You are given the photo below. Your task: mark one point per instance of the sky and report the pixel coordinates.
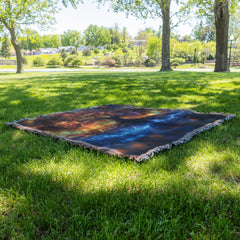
(88, 13)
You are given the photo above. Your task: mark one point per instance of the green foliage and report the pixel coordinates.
(73, 61)
(150, 62)
(63, 54)
(125, 50)
(17, 14)
(118, 52)
(96, 50)
(205, 33)
(5, 49)
(115, 47)
(54, 62)
(236, 52)
(38, 62)
(126, 59)
(86, 52)
(109, 47)
(234, 25)
(31, 40)
(145, 35)
(138, 62)
(154, 48)
(119, 60)
(71, 38)
(77, 62)
(68, 60)
(115, 35)
(192, 50)
(195, 57)
(51, 41)
(178, 60)
(105, 51)
(124, 35)
(74, 51)
(97, 36)
(139, 51)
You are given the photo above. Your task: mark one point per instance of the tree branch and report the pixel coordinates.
(5, 23)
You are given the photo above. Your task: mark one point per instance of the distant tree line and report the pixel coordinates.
(93, 36)
(18, 15)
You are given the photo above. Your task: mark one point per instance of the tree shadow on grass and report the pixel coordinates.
(42, 206)
(39, 95)
(70, 91)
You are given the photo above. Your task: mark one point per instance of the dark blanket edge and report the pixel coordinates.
(187, 137)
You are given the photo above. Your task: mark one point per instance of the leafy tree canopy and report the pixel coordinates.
(22, 13)
(72, 38)
(97, 36)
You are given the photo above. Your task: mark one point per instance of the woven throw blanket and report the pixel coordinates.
(123, 130)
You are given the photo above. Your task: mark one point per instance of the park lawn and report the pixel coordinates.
(53, 190)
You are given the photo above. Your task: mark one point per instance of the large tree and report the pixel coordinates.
(16, 15)
(221, 10)
(221, 13)
(144, 9)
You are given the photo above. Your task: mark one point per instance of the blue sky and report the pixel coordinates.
(89, 13)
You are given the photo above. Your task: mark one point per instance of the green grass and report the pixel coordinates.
(53, 190)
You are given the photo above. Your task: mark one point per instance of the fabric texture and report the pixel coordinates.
(123, 130)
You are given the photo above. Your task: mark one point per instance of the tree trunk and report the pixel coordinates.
(221, 12)
(165, 8)
(17, 48)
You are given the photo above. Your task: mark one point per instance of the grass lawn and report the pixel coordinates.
(53, 190)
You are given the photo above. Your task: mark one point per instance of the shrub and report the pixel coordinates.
(63, 54)
(96, 50)
(150, 62)
(54, 62)
(125, 50)
(109, 48)
(126, 59)
(86, 52)
(138, 62)
(109, 61)
(119, 60)
(105, 52)
(118, 52)
(178, 60)
(68, 60)
(74, 51)
(38, 62)
(115, 46)
(131, 46)
(76, 62)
